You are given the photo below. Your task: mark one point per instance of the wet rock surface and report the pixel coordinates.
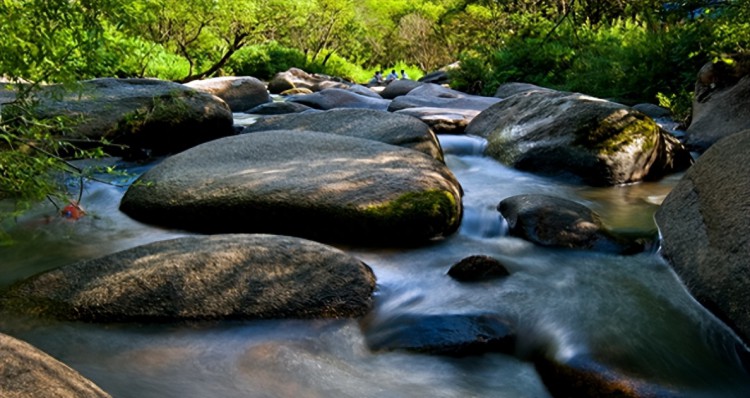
(203, 278)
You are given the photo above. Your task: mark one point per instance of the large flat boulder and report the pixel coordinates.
(203, 278)
(27, 372)
(705, 228)
(394, 129)
(239, 92)
(578, 137)
(142, 114)
(722, 98)
(309, 184)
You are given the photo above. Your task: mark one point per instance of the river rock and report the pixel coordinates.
(394, 129)
(443, 120)
(583, 377)
(362, 90)
(297, 78)
(721, 101)
(436, 90)
(203, 278)
(478, 268)
(26, 372)
(278, 108)
(578, 137)
(451, 334)
(510, 89)
(557, 222)
(143, 114)
(239, 92)
(652, 110)
(398, 88)
(473, 102)
(311, 184)
(705, 228)
(339, 98)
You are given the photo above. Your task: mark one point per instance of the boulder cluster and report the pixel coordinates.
(331, 162)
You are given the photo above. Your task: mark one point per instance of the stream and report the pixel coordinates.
(631, 310)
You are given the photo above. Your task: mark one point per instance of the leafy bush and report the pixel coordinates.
(263, 61)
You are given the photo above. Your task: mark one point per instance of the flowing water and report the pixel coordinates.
(629, 312)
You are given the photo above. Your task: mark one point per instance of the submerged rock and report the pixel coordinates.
(478, 268)
(582, 377)
(599, 142)
(400, 130)
(26, 372)
(705, 228)
(239, 92)
(556, 222)
(308, 184)
(452, 334)
(203, 277)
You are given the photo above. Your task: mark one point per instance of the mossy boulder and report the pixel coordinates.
(578, 137)
(203, 278)
(142, 114)
(27, 372)
(310, 184)
(400, 130)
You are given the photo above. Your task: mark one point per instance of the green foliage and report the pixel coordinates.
(265, 60)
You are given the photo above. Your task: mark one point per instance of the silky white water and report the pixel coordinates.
(629, 312)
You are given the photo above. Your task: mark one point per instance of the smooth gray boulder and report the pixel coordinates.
(203, 278)
(436, 90)
(239, 92)
(705, 228)
(141, 114)
(557, 222)
(398, 88)
(721, 102)
(278, 108)
(394, 129)
(27, 372)
(339, 98)
(474, 102)
(578, 137)
(443, 120)
(321, 186)
(510, 89)
(362, 90)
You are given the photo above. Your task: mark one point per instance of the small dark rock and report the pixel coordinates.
(478, 268)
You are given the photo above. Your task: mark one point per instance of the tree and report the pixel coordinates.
(43, 41)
